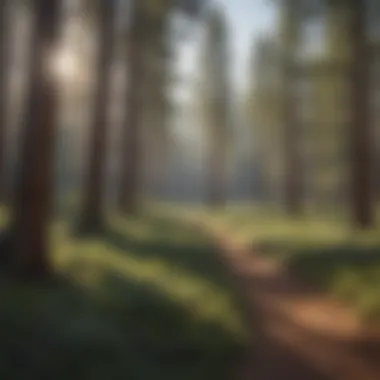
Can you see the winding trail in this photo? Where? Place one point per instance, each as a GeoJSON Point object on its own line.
{"type": "Point", "coordinates": [299, 334]}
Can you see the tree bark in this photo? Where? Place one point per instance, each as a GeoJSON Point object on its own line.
{"type": "Point", "coordinates": [92, 217]}
{"type": "Point", "coordinates": [131, 154]}
{"type": "Point", "coordinates": [4, 56]}
{"type": "Point", "coordinates": [25, 247]}
{"type": "Point", "coordinates": [216, 191]}
{"type": "Point", "coordinates": [361, 160]}
{"type": "Point", "coordinates": [292, 160]}
{"type": "Point", "coordinates": [293, 193]}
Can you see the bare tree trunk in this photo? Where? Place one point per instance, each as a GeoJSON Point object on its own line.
{"type": "Point", "coordinates": [161, 167]}
{"type": "Point", "coordinates": [92, 218]}
{"type": "Point", "coordinates": [131, 154]}
{"type": "Point", "coordinates": [292, 160]}
{"type": "Point", "coordinates": [216, 194]}
{"type": "Point", "coordinates": [216, 165]}
{"type": "Point", "coordinates": [25, 248]}
{"type": "Point", "coordinates": [362, 210]}
{"type": "Point", "coordinates": [4, 56]}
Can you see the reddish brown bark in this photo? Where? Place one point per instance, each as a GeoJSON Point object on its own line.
{"type": "Point", "coordinates": [26, 244]}
{"type": "Point", "coordinates": [92, 218]}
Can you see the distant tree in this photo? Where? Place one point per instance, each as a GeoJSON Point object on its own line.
{"type": "Point", "coordinates": [214, 96]}
{"type": "Point", "coordinates": [360, 132]}
{"type": "Point", "coordinates": [92, 214]}
{"type": "Point", "coordinates": [144, 18]}
{"type": "Point", "coordinates": [263, 114]}
{"type": "Point", "coordinates": [329, 127]}
{"type": "Point", "coordinates": [289, 36]}
{"type": "Point", "coordinates": [4, 57]}
{"type": "Point", "coordinates": [157, 105]}
{"type": "Point", "coordinates": [359, 136]}
{"type": "Point", "coordinates": [131, 151]}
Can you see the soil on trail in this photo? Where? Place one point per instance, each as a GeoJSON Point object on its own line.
{"type": "Point", "coordinates": [298, 334]}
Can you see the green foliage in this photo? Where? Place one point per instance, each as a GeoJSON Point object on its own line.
{"type": "Point", "coordinates": [147, 300]}
{"type": "Point", "coordinates": [350, 275]}
{"type": "Point", "coordinates": [318, 248]}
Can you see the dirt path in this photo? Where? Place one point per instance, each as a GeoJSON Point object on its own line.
{"type": "Point", "coordinates": [302, 334]}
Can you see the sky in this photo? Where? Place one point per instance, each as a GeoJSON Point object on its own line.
{"type": "Point", "coordinates": [246, 19]}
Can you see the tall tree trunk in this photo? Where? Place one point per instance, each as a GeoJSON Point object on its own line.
{"type": "Point", "coordinates": [157, 133]}
{"type": "Point", "coordinates": [216, 92]}
{"type": "Point", "coordinates": [25, 247]}
{"type": "Point", "coordinates": [293, 187]}
{"type": "Point", "coordinates": [4, 56]}
{"type": "Point", "coordinates": [131, 154]}
{"type": "Point", "coordinates": [217, 141]}
{"type": "Point", "coordinates": [362, 210]}
{"type": "Point", "coordinates": [216, 165]}
{"type": "Point", "coordinates": [92, 218]}
{"type": "Point", "coordinates": [292, 162]}
{"type": "Point", "coordinates": [161, 165]}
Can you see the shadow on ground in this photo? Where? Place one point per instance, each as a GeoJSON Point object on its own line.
{"type": "Point", "coordinates": [167, 239]}
{"type": "Point", "coordinates": [144, 301]}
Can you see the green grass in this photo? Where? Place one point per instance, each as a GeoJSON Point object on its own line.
{"type": "Point", "coordinates": [351, 274]}
{"type": "Point", "coordinates": [320, 248]}
{"type": "Point", "coordinates": [149, 299]}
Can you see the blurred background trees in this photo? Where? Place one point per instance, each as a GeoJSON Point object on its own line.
{"type": "Point", "coordinates": [302, 135]}
{"type": "Point", "coordinates": [4, 60]}
{"type": "Point", "coordinates": [113, 110]}
{"type": "Point", "coordinates": [328, 149]}
{"type": "Point", "coordinates": [92, 217]}
{"type": "Point", "coordinates": [214, 102]}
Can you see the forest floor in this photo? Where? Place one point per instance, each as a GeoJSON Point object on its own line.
{"type": "Point", "coordinates": [152, 298]}
{"type": "Point", "coordinates": [299, 332]}
{"type": "Point", "coordinates": [149, 299]}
